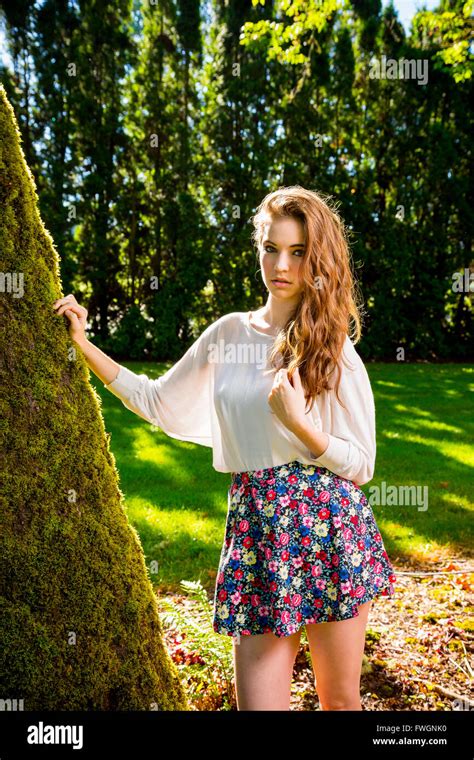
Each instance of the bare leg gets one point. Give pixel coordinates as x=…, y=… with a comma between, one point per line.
x=336, y=654
x=263, y=666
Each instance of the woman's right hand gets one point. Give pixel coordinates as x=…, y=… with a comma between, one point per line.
x=76, y=314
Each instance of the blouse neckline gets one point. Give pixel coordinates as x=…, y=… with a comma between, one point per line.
x=247, y=322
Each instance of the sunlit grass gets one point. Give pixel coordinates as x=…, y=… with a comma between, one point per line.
x=425, y=427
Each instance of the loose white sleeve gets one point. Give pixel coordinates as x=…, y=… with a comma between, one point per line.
x=351, y=450
x=179, y=401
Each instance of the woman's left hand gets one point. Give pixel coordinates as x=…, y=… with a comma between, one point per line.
x=287, y=401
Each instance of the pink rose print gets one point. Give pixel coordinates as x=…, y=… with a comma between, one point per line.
x=324, y=496
x=284, y=539
x=244, y=525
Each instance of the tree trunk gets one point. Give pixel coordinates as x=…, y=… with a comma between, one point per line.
x=79, y=622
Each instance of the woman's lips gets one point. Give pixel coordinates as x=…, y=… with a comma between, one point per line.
x=281, y=283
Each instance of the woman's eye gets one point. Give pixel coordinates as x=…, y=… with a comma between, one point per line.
x=269, y=249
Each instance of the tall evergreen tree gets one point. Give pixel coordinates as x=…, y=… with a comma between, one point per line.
x=181, y=115
x=79, y=624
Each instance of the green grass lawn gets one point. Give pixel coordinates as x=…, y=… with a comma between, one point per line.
x=425, y=428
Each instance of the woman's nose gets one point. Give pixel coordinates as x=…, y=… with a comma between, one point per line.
x=283, y=261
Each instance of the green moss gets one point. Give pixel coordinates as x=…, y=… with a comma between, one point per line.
x=79, y=623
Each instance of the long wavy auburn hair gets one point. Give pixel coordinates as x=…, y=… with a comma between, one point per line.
x=313, y=337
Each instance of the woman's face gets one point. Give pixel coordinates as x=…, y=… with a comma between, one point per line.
x=281, y=253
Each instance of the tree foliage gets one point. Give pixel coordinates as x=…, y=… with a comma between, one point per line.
x=154, y=129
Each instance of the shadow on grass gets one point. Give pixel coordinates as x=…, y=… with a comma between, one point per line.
x=424, y=434
x=178, y=503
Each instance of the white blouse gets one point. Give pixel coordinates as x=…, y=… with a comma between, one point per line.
x=217, y=395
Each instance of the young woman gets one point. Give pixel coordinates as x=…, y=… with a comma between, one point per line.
x=285, y=402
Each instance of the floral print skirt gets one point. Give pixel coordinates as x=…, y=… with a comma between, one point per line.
x=301, y=546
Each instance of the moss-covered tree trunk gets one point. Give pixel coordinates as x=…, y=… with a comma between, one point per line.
x=79, y=624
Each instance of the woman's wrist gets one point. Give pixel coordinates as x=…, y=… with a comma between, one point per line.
x=81, y=342
x=314, y=439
